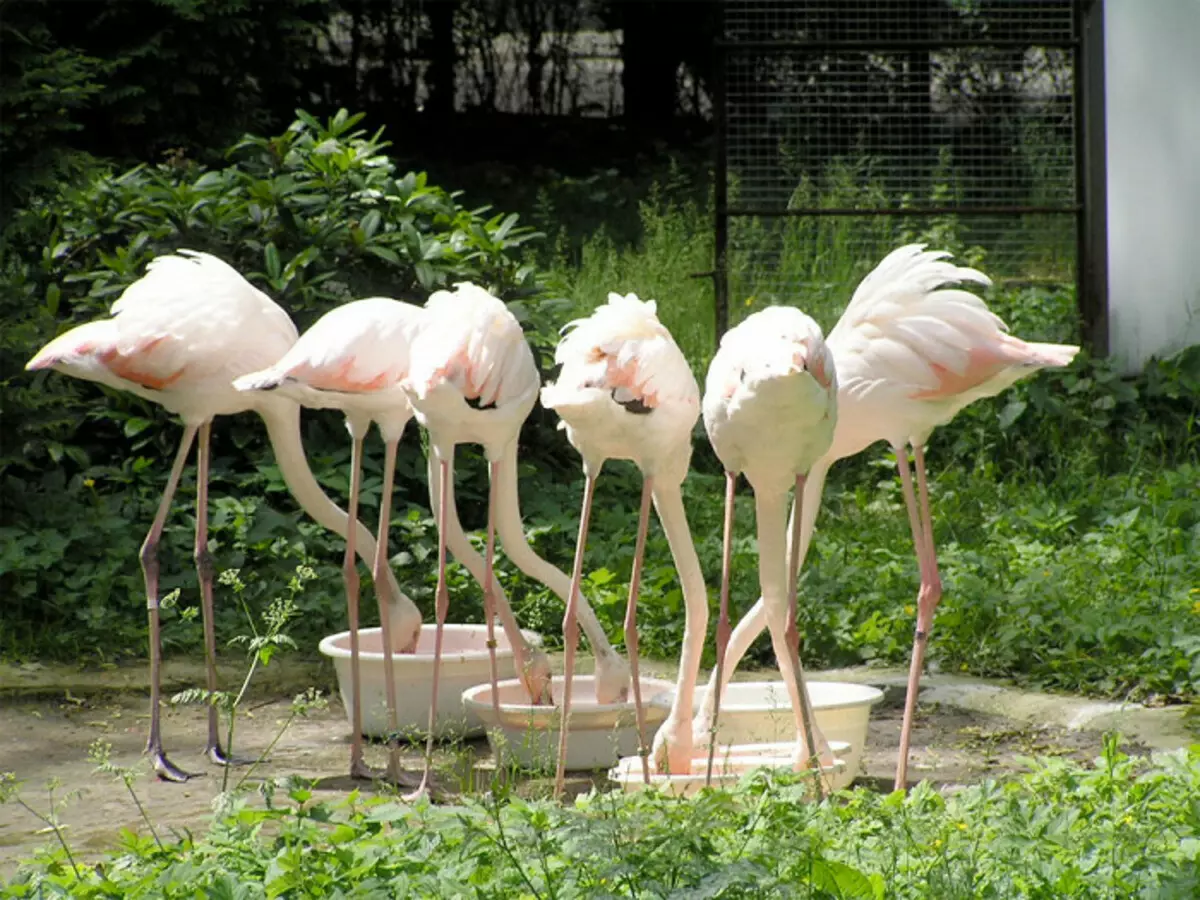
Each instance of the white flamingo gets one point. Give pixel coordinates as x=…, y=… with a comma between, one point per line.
x=770, y=403
x=178, y=337
x=473, y=379
x=625, y=391
x=911, y=351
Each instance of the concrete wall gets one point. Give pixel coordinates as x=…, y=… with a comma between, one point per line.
x=1152, y=76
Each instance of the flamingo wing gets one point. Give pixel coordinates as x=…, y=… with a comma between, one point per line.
x=474, y=343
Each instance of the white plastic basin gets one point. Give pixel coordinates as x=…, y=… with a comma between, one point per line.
x=464, y=663
x=600, y=733
x=760, y=712
x=729, y=766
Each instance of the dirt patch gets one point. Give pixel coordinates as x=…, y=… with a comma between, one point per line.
x=44, y=739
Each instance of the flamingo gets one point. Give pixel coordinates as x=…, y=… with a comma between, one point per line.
x=910, y=352
x=178, y=337
x=353, y=359
x=625, y=391
x=770, y=404
x=473, y=379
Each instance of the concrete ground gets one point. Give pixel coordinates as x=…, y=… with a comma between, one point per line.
x=967, y=729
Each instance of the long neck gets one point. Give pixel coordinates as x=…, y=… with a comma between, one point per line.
x=770, y=507
x=668, y=500
x=464, y=551
x=512, y=535
x=814, y=487
x=283, y=428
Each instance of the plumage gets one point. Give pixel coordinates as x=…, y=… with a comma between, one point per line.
x=625, y=391
x=770, y=396
x=620, y=357
x=912, y=349
x=353, y=359
x=178, y=336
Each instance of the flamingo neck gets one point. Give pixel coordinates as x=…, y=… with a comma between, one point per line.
x=668, y=501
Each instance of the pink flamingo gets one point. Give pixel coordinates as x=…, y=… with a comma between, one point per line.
x=770, y=403
x=353, y=359
x=473, y=379
x=910, y=353
x=625, y=391
x=178, y=337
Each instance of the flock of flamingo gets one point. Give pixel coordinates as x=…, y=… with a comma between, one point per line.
x=781, y=404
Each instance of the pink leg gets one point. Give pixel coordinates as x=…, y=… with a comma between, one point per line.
x=793, y=633
x=206, y=570
x=571, y=632
x=394, y=772
x=358, y=765
x=489, y=596
x=928, y=596
x=163, y=767
x=723, y=615
x=443, y=606
x=631, y=637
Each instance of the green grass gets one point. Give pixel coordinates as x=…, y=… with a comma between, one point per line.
x=1124, y=828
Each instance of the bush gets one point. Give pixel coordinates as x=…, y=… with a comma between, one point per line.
x=1125, y=828
x=315, y=216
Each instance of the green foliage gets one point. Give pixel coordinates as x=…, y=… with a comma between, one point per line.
x=316, y=216
x=1125, y=827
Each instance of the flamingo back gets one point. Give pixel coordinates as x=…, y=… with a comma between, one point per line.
x=474, y=344
x=625, y=389
x=912, y=350
x=360, y=347
x=180, y=334
x=773, y=375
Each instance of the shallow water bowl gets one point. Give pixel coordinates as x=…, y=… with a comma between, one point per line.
x=464, y=663
x=756, y=712
x=527, y=735
x=730, y=765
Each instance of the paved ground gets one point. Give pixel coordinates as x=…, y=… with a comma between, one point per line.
x=49, y=718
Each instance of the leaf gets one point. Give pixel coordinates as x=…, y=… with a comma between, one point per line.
x=135, y=425
x=1011, y=412
x=843, y=881
x=387, y=254
x=370, y=223
x=271, y=258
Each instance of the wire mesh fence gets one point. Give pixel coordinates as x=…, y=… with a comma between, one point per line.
x=847, y=128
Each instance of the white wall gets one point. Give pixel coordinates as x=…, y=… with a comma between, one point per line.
x=1152, y=75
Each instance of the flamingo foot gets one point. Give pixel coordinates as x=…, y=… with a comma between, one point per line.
x=360, y=771
x=167, y=770
x=218, y=757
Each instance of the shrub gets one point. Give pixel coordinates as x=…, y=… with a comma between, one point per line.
x=315, y=216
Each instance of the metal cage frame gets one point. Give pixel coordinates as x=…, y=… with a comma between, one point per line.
x=1086, y=206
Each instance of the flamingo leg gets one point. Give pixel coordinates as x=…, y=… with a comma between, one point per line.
x=722, y=618
x=443, y=606
x=358, y=765
x=489, y=594
x=773, y=570
x=205, y=569
x=163, y=767
x=928, y=596
x=394, y=771
x=792, y=630
x=571, y=631
x=631, y=637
